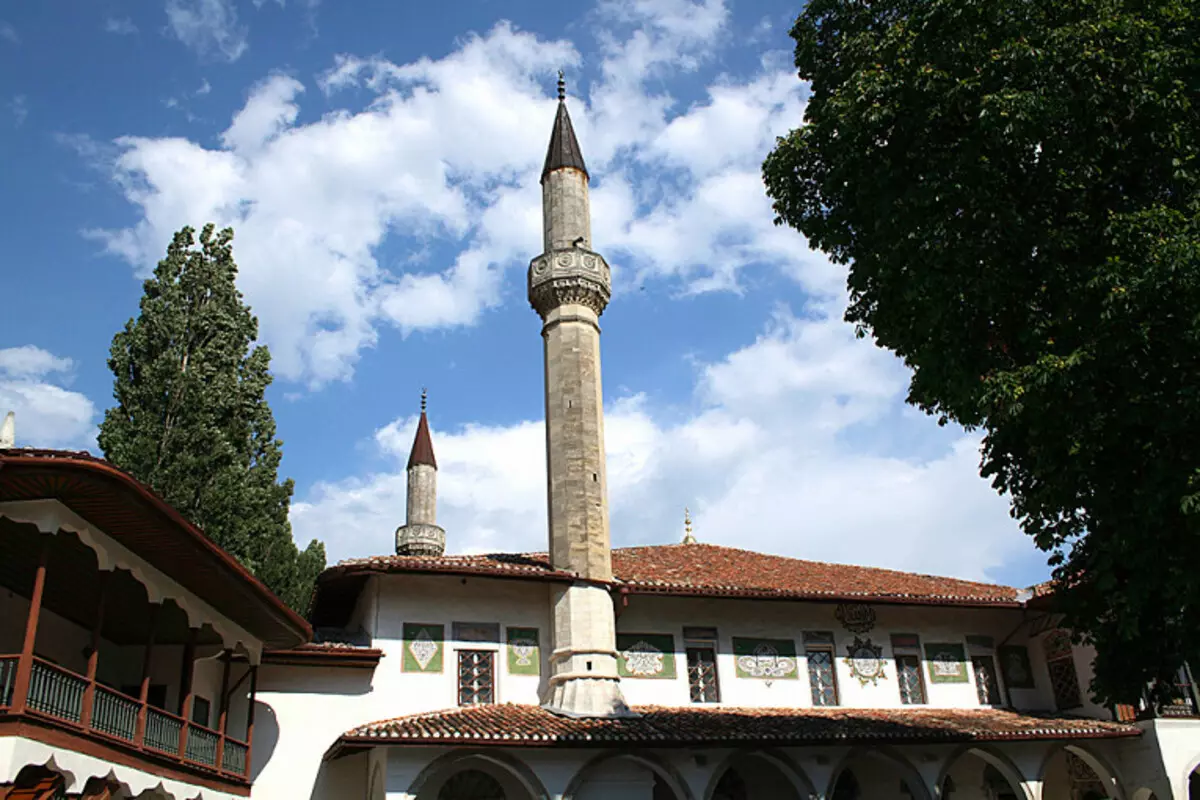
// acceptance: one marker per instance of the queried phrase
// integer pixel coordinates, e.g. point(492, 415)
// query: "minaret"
point(420, 534)
point(569, 286)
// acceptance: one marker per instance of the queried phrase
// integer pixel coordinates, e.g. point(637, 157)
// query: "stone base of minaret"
point(583, 666)
point(420, 539)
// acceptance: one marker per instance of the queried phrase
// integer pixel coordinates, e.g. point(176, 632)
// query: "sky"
point(379, 163)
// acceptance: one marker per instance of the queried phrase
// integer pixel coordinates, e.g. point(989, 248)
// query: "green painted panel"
point(524, 654)
point(766, 659)
point(424, 646)
point(646, 655)
point(947, 662)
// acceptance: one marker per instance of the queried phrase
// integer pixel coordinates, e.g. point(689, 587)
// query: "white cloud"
point(314, 203)
point(48, 415)
point(208, 27)
point(122, 26)
point(763, 454)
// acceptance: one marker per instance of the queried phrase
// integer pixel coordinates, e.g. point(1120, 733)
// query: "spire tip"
point(688, 537)
point(424, 398)
point(562, 87)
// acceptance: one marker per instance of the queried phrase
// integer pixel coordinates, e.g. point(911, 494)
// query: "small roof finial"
point(688, 538)
point(562, 87)
point(424, 398)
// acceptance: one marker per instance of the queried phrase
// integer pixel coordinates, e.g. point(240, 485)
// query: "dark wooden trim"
point(89, 694)
point(186, 691)
point(144, 691)
point(25, 663)
point(250, 717)
point(223, 715)
point(352, 658)
point(287, 624)
point(50, 732)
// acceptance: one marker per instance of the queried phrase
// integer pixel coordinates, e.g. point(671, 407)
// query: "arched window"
point(471, 784)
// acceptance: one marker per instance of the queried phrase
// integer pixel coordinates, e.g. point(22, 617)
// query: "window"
point(986, 684)
point(476, 677)
point(822, 679)
point(201, 709)
point(702, 675)
point(1060, 662)
point(907, 649)
point(701, 647)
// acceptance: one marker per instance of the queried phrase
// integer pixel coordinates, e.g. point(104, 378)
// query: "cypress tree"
point(191, 419)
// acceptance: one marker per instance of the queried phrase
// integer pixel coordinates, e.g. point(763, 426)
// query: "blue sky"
point(379, 164)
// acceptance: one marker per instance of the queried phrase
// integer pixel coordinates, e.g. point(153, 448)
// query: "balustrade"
point(58, 694)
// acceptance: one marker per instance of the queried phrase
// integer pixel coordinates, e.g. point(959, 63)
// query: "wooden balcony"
point(69, 700)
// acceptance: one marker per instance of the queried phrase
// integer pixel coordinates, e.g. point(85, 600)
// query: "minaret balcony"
point(576, 275)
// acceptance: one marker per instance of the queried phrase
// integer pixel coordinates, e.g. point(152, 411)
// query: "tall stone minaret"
point(420, 534)
point(569, 286)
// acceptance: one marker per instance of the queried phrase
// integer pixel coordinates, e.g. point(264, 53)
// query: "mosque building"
point(138, 660)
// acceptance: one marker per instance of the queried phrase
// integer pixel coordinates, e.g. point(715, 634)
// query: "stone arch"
point(1107, 775)
point(661, 768)
point(436, 772)
point(1190, 778)
point(997, 760)
point(795, 776)
point(908, 773)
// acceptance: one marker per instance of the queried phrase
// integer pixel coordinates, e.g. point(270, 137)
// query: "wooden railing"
point(61, 695)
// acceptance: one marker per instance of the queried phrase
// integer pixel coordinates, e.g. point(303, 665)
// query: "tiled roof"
point(712, 570)
point(532, 726)
point(564, 150)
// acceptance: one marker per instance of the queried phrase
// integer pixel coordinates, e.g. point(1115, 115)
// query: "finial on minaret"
point(562, 87)
point(688, 538)
point(8, 430)
point(424, 398)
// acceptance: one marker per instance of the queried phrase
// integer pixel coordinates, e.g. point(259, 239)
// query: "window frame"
point(821, 642)
point(490, 656)
point(698, 638)
point(906, 646)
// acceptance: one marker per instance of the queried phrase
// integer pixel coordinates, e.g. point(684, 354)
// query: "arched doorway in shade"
point(876, 774)
point(1074, 773)
point(758, 776)
point(467, 775)
point(979, 773)
point(632, 774)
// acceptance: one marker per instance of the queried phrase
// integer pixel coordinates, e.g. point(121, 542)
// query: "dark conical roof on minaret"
point(422, 449)
point(564, 147)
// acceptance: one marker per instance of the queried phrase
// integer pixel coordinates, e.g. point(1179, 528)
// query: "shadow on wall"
point(317, 680)
point(266, 738)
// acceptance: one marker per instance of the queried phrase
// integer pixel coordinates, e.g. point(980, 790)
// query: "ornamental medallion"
point(643, 659)
point(855, 617)
point(765, 662)
point(422, 647)
point(865, 660)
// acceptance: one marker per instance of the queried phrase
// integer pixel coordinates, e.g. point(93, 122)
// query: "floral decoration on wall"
point(865, 660)
point(646, 655)
point(524, 655)
point(765, 659)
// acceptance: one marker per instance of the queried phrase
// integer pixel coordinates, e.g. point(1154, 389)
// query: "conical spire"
point(422, 449)
point(564, 148)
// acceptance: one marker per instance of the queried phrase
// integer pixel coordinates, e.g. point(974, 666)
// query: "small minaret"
point(420, 534)
point(569, 287)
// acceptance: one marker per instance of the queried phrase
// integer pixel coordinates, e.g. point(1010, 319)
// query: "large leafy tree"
point(191, 418)
point(1014, 186)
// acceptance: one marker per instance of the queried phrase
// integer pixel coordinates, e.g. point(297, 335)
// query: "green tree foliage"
point(191, 419)
point(1014, 184)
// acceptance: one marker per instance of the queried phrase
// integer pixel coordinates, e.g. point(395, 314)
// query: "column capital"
point(574, 275)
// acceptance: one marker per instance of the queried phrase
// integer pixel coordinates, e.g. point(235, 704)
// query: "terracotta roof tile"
point(712, 570)
point(529, 725)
